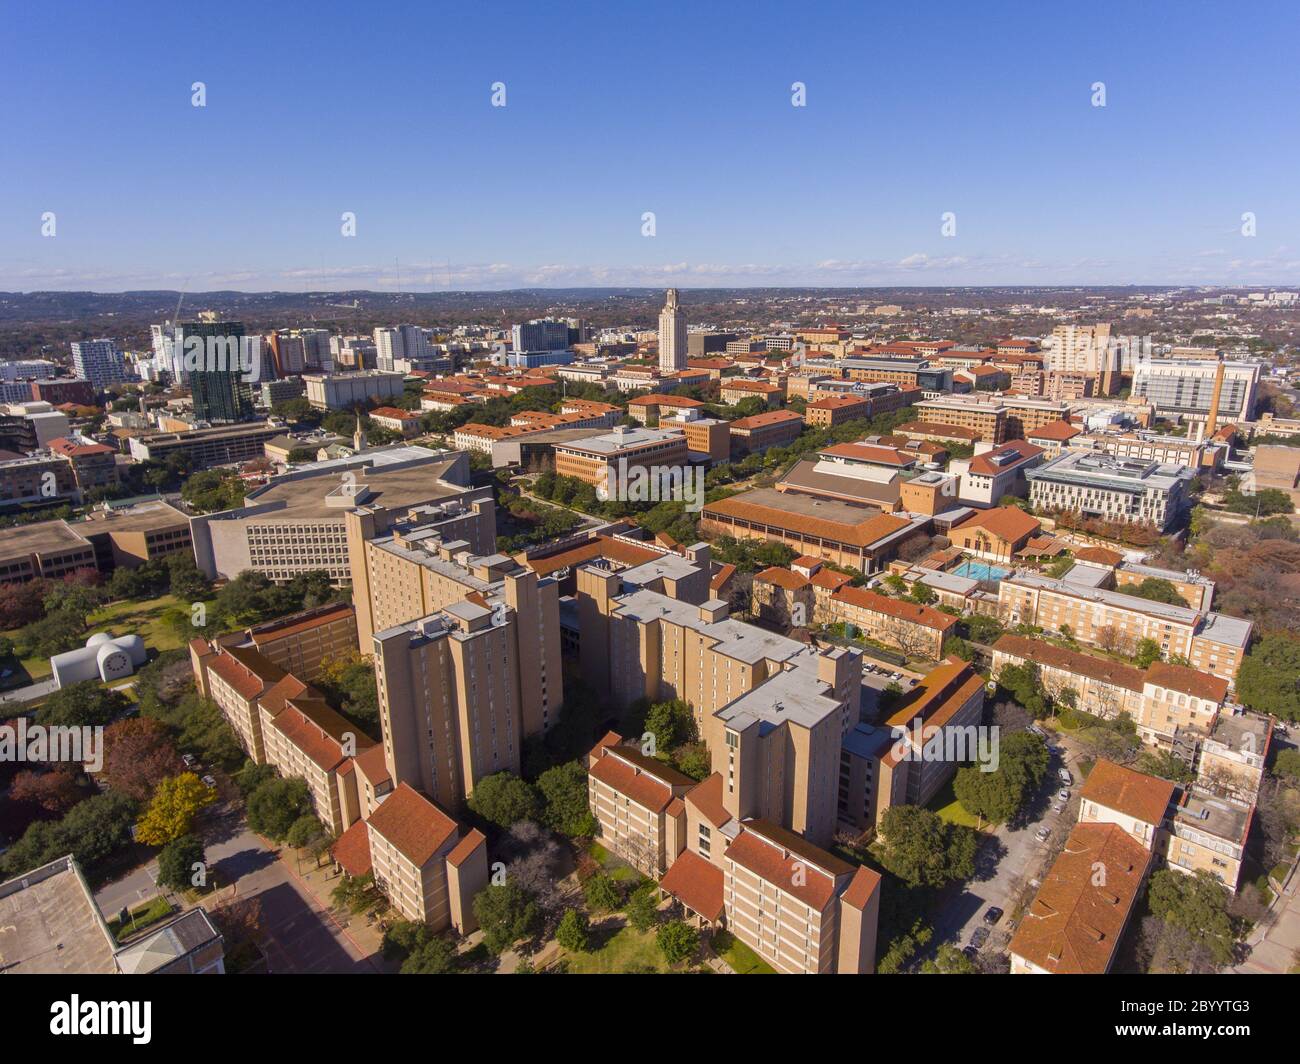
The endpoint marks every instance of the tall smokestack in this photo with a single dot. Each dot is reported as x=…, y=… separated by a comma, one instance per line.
x=1212, y=421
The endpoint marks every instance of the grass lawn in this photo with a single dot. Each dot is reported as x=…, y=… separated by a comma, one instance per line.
x=946, y=805
x=141, y=618
x=743, y=960
x=123, y=618
x=627, y=949
x=142, y=916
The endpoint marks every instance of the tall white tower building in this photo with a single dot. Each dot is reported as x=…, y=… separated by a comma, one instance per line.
x=672, y=335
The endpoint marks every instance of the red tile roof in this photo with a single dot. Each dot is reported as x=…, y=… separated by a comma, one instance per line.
x=1074, y=925
x=696, y=883
x=352, y=849
x=1008, y=523
x=1055, y=430
x=892, y=607
x=782, y=578
x=411, y=823
x=461, y=852
x=787, y=862
x=1022, y=451
x=1132, y=793
x=1188, y=680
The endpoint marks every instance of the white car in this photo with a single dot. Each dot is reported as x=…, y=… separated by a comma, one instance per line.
x=1043, y=834
x=1063, y=795
x=1064, y=775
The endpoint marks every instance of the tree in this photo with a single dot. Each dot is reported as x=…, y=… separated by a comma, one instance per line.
x=1288, y=764
x=923, y=850
x=574, y=931
x=252, y=776
x=642, y=911
x=1269, y=678
x=304, y=831
x=602, y=894
x=176, y=802
x=1158, y=590
x=276, y=805
x=671, y=723
x=564, y=792
x=87, y=704
x=678, y=941
x=138, y=755
x=91, y=830
x=435, y=956
x=52, y=792
x=1022, y=682
x=1147, y=653
x=1198, y=904
x=694, y=760
x=506, y=913
x=949, y=960
x=349, y=683
x=503, y=798
x=177, y=859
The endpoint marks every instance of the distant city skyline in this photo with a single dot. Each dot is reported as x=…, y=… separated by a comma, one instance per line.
x=908, y=124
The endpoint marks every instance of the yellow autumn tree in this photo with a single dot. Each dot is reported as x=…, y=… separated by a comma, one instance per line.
x=176, y=802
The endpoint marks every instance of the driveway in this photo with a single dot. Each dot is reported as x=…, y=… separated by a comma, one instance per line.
x=1010, y=862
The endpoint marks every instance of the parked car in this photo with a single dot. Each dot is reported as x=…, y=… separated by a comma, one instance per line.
x=1063, y=774
x=971, y=952
x=1059, y=807
x=979, y=936
x=210, y=781
x=188, y=760
x=992, y=915
x=1043, y=834
x=1063, y=795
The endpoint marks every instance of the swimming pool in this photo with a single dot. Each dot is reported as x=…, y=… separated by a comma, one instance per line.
x=980, y=571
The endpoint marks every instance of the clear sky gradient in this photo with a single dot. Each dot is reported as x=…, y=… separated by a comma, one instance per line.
x=615, y=109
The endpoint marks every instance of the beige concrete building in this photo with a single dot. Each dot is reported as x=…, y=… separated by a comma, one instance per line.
x=801, y=909
x=771, y=710
x=467, y=651
x=295, y=524
x=1188, y=828
x=630, y=793
x=303, y=642
x=428, y=866
x=603, y=460
x=132, y=535
x=48, y=549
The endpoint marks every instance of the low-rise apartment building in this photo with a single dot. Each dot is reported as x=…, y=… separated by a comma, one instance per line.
x=761, y=432
x=1211, y=642
x=917, y=630
x=1076, y=921
x=735, y=390
x=428, y=866
x=303, y=642
x=995, y=472
x=205, y=448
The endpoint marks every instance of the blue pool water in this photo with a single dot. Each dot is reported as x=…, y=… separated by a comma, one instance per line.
x=980, y=571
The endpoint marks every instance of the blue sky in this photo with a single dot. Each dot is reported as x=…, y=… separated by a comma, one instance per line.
x=615, y=109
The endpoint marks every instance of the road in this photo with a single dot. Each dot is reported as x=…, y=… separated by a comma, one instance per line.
x=298, y=933
x=1010, y=860
x=1275, y=941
